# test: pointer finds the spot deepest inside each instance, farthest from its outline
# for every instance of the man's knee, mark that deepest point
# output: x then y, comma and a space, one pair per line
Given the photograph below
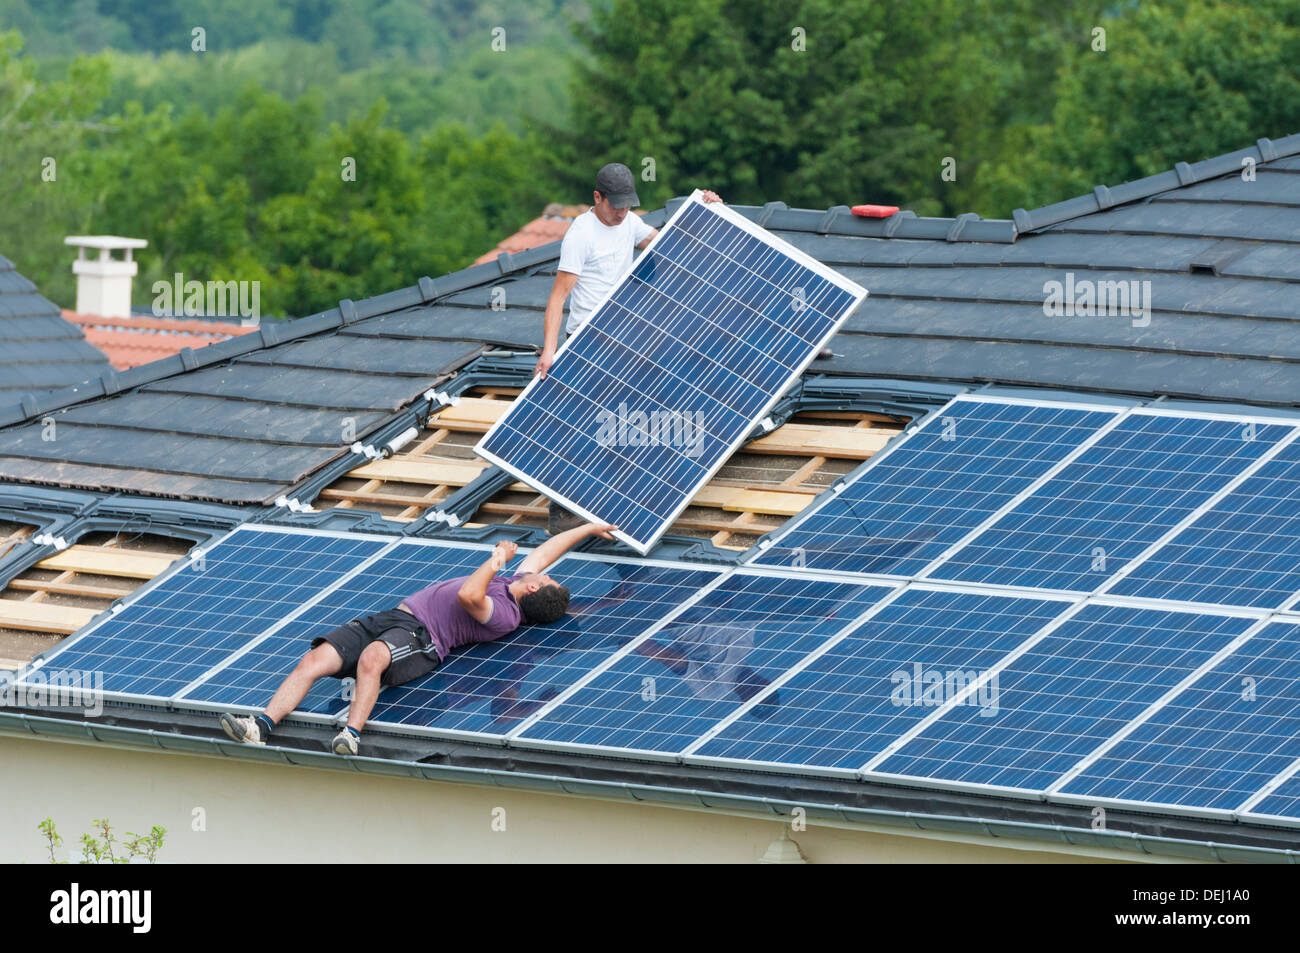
324, 659
374, 660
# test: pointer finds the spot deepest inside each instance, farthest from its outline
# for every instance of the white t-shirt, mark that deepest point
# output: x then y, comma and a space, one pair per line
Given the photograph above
599, 255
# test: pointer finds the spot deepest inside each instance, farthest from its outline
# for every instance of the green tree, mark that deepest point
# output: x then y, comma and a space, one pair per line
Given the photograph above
815, 102
44, 127
1178, 81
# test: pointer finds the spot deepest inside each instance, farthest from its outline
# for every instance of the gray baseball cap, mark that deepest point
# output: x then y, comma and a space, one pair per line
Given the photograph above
615, 182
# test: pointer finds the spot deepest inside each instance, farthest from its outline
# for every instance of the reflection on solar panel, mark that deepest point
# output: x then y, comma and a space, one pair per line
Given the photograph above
718, 654
671, 372
881, 679
1243, 551
927, 492
1219, 741
1065, 696
1104, 509
196, 615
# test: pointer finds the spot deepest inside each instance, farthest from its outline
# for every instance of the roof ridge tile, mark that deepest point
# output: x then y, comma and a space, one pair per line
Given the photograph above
1181, 175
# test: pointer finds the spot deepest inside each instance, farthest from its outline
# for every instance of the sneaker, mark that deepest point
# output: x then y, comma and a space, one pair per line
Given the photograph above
345, 742
243, 728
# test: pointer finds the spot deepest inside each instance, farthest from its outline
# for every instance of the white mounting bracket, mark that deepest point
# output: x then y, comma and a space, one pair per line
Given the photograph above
440, 516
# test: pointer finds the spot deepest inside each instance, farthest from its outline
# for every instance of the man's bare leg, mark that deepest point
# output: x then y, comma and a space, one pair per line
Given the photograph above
323, 660
373, 663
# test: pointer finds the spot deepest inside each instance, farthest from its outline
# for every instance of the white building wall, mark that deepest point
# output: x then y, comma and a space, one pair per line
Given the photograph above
221, 810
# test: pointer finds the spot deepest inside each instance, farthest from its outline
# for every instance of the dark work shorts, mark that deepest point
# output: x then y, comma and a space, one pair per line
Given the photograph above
414, 653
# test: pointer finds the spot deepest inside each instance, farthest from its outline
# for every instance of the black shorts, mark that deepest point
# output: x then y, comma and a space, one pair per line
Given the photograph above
413, 651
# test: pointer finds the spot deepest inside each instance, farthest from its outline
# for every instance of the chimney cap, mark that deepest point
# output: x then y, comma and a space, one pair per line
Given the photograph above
105, 241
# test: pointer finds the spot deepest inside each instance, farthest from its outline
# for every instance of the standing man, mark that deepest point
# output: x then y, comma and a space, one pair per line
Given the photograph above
596, 253
402, 644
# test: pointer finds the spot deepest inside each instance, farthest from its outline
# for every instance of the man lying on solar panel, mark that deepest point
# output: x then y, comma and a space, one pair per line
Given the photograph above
398, 645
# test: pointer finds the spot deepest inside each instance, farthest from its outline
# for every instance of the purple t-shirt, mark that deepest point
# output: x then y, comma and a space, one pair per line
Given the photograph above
450, 625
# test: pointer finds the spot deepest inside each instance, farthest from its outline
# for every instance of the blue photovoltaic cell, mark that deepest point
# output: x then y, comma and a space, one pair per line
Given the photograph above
1284, 802
1122, 494
1067, 695
941, 482
718, 654
252, 678
645, 403
192, 620
492, 687
885, 676
1245, 550
1220, 741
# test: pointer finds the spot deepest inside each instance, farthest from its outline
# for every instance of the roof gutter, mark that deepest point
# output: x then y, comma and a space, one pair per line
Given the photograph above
873, 819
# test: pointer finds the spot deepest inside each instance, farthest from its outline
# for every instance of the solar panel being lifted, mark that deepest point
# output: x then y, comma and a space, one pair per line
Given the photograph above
671, 372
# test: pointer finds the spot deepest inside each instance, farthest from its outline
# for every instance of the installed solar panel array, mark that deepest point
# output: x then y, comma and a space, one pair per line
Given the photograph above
1087, 603
671, 371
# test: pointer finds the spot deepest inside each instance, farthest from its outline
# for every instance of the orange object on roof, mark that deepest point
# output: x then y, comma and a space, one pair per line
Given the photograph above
874, 211
130, 342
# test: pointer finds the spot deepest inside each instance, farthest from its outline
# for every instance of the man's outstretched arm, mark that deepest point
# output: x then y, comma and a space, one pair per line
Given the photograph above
472, 594
558, 545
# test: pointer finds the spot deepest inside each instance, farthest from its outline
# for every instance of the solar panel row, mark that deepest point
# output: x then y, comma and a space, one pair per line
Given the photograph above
1065, 696
195, 616
1144, 503
719, 653
923, 494
1122, 494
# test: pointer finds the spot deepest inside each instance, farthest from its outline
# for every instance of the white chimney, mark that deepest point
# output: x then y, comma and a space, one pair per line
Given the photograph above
104, 283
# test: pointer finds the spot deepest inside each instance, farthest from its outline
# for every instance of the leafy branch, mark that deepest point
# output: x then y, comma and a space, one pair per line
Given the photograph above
97, 850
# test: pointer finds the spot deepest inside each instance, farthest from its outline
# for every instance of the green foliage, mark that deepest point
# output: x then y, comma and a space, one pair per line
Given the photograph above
52, 837
817, 102
254, 191
1178, 81
95, 850
479, 89
1011, 90
363, 31
256, 194
43, 124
